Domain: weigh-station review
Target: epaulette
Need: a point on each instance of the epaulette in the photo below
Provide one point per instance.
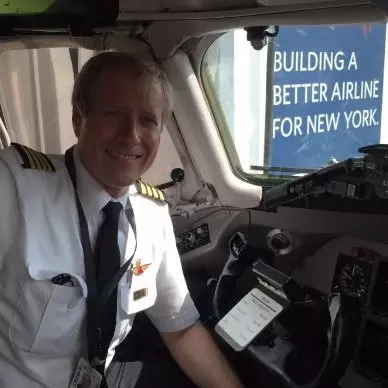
(32, 159)
(149, 191)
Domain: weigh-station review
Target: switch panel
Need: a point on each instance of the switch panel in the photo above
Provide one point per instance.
(193, 239)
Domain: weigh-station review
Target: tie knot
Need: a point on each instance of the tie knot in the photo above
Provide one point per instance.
(112, 210)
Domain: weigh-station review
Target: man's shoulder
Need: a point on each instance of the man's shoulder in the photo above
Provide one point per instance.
(150, 192)
(19, 156)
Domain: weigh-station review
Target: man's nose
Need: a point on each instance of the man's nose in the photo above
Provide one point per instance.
(130, 130)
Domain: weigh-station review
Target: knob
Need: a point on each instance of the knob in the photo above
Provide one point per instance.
(280, 241)
(190, 236)
(177, 175)
(200, 231)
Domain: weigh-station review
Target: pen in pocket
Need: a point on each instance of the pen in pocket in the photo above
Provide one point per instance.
(63, 279)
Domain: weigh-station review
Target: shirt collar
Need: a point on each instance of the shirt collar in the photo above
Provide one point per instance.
(92, 196)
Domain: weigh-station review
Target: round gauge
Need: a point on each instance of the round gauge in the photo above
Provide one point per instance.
(353, 280)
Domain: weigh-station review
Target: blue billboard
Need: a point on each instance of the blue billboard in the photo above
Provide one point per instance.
(327, 93)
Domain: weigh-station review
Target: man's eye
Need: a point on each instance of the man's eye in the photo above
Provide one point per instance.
(149, 122)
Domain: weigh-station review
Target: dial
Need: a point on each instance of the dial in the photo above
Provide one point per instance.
(354, 280)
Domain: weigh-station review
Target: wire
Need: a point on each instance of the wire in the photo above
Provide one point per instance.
(146, 42)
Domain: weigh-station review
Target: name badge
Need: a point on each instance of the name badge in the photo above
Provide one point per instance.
(138, 294)
(85, 376)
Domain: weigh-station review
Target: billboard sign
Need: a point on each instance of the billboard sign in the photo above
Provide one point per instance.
(327, 93)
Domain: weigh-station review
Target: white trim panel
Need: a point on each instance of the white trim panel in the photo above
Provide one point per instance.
(167, 36)
(202, 138)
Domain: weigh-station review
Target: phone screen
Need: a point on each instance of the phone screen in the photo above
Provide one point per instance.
(248, 318)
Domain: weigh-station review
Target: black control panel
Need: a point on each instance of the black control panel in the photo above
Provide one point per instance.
(372, 355)
(354, 278)
(355, 184)
(193, 239)
(379, 300)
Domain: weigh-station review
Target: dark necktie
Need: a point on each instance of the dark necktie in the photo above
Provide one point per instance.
(107, 256)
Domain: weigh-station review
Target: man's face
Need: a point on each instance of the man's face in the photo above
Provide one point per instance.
(119, 136)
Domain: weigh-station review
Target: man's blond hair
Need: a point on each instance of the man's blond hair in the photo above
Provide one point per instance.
(97, 66)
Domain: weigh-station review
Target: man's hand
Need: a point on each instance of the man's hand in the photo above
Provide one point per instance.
(199, 357)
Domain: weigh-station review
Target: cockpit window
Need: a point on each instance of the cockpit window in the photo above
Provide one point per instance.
(312, 96)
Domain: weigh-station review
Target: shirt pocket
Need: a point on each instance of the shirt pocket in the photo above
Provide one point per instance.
(48, 318)
(138, 290)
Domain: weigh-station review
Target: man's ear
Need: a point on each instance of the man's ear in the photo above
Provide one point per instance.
(77, 121)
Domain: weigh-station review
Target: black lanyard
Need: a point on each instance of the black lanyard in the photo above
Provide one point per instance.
(95, 301)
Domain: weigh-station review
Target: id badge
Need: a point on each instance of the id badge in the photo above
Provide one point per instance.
(85, 376)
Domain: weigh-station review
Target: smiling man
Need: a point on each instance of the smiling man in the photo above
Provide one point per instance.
(85, 245)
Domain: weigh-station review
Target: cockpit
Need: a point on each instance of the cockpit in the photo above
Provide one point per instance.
(274, 165)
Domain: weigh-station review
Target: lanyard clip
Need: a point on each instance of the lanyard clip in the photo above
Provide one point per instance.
(96, 362)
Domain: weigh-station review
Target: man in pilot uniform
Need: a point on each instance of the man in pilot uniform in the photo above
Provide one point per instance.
(83, 241)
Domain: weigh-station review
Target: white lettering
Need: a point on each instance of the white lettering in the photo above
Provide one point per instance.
(277, 61)
(373, 121)
(361, 118)
(299, 61)
(311, 124)
(323, 122)
(287, 126)
(275, 127)
(355, 90)
(286, 95)
(295, 93)
(336, 94)
(332, 121)
(356, 119)
(277, 95)
(347, 118)
(376, 84)
(297, 125)
(353, 61)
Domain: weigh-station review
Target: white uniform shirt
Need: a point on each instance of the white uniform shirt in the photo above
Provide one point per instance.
(42, 326)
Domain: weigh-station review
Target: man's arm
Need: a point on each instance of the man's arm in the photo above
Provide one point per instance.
(9, 210)
(176, 317)
(198, 356)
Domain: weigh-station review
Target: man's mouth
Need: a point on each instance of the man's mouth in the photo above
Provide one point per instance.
(122, 155)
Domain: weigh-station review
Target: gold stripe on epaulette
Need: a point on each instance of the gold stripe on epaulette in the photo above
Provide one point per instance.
(143, 189)
(161, 195)
(155, 192)
(36, 165)
(32, 159)
(149, 191)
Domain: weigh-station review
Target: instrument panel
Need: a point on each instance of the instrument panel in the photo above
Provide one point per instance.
(363, 277)
(193, 239)
(352, 277)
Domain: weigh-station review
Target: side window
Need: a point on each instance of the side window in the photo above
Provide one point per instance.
(166, 160)
(311, 97)
(35, 95)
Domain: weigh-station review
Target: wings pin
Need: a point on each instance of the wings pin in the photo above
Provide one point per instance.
(139, 268)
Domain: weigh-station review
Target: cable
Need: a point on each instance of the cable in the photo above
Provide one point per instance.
(148, 44)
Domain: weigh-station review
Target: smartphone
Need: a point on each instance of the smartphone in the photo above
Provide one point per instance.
(248, 318)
